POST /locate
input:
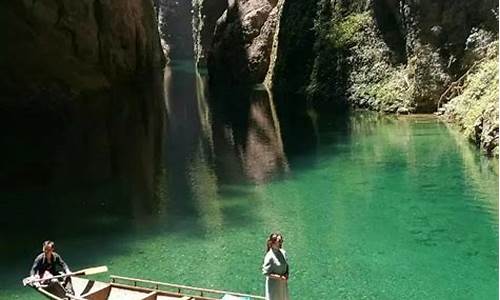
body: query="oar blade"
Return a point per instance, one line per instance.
(95, 270)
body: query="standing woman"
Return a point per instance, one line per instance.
(275, 268)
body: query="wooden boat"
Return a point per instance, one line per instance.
(124, 288)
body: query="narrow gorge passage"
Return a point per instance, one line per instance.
(140, 135)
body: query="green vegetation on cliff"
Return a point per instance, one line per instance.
(372, 76)
(475, 109)
(346, 31)
(358, 62)
(389, 56)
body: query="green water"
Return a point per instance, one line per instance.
(378, 207)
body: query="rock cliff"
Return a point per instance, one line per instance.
(82, 44)
(206, 13)
(385, 55)
(176, 34)
(81, 101)
(239, 50)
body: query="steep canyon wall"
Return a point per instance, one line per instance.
(81, 101)
(81, 44)
(234, 38)
(393, 56)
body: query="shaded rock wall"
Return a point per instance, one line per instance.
(175, 28)
(82, 44)
(445, 25)
(81, 104)
(104, 145)
(295, 55)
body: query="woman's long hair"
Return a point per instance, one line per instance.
(272, 238)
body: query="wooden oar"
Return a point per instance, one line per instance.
(88, 271)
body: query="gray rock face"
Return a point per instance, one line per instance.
(84, 44)
(445, 25)
(242, 41)
(295, 56)
(431, 38)
(423, 35)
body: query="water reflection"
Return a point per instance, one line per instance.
(264, 154)
(423, 153)
(397, 197)
(236, 129)
(90, 160)
(189, 138)
(247, 136)
(216, 138)
(483, 174)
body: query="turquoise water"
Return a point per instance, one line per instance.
(379, 207)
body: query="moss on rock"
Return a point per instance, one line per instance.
(376, 81)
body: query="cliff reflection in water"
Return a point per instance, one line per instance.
(217, 137)
(91, 156)
(247, 136)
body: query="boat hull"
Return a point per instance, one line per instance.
(122, 288)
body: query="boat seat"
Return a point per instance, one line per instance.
(98, 294)
(150, 296)
(155, 295)
(117, 293)
(163, 297)
(83, 286)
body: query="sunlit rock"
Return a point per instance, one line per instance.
(205, 15)
(243, 41)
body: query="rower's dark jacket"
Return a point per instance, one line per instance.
(56, 265)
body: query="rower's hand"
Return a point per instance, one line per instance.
(29, 280)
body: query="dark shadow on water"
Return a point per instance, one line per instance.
(248, 131)
(77, 164)
(218, 141)
(232, 191)
(230, 108)
(184, 135)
